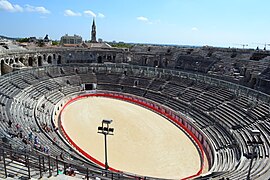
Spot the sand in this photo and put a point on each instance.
(143, 143)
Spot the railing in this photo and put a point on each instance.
(38, 165)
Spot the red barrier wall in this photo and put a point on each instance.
(146, 104)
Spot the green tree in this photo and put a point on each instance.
(22, 40)
(55, 43)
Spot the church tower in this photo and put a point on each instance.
(93, 33)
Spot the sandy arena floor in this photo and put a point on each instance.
(143, 143)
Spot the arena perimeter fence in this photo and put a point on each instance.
(198, 138)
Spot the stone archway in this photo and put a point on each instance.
(39, 61)
(2, 66)
(21, 60)
(30, 61)
(136, 82)
(166, 63)
(49, 60)
(99, 59)
(109, 57)
(59, 59)
(145, 61)
(156, 64)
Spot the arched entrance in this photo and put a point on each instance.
(99, 59)
(2, 67)
(39, 61)
(21, 60)
(136, 82)
(166, 62)
(30, 61)
(59, 61)
(156, 63)
(145, 61)
(49, 59)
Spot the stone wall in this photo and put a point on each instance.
(43, 57)
(233, 65)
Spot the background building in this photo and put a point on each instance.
(94, 33)
(76, 39)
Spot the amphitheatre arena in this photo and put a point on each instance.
(178, 113)
(139, 144)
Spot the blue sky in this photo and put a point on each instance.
(185, 22)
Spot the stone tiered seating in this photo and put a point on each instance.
(17, 81)
(199, 118)
(173, 89)
(129, 81)
(224, 117)
(54, 97)
(22, 114)
(88, 78)
(29, 78)
(133, 91)
(189, 94)
(108, 78)
(143, 83)
(156, 85)
(68, 70)
(177, 105)
(66, 90)
(54, 72)
(156, 97)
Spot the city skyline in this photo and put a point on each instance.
(182, 22)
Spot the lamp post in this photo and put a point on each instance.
(255, 149)
(106, 130)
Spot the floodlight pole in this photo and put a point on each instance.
(251, 161)
(106, 130)
(255, 145)
(106, 159)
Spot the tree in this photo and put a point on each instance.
(22, 40)
(55, 43)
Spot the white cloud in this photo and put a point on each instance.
(90, 13)
(141, 18)
(68, 12)
(18, 8)
(39, 9)
(194, 29)
(100, 15)
(7, 6)
(147, 21)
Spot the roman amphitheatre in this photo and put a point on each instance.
(177, 112)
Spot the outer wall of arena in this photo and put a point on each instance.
(201, 142)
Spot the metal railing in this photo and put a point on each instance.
(37, 165)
